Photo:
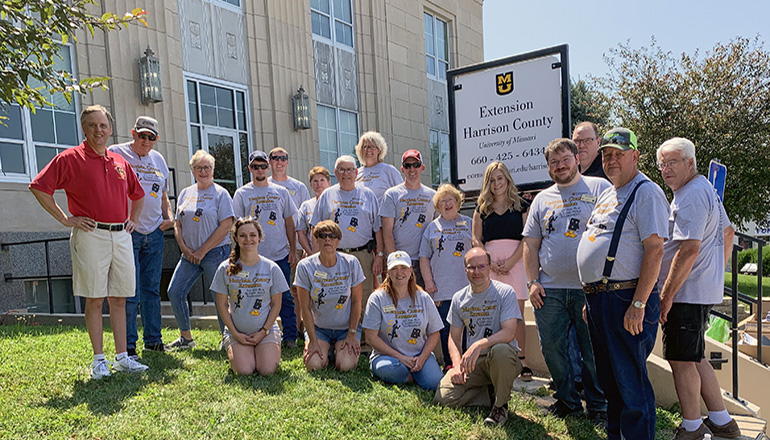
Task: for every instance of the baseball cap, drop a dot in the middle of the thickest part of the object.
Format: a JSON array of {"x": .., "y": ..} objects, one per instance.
[
  {"x": 411, "y": 153},
  {"x": 146, "y": 123},
  {"x": 257, "y": 155},
  {"x": 620, "y": 138},
  {"x": 399, "y": 258}
]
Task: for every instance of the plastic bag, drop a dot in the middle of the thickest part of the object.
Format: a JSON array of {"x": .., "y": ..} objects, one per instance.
[{"x": 719, "y": 329}]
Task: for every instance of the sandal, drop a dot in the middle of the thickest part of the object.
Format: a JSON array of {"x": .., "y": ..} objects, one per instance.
[{"x": 526, "y": 372}]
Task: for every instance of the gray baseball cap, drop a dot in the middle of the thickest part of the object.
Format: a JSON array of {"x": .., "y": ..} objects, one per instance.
[
  {"x": 146, "y": 123},
  {"x": 257, "y": 155}
]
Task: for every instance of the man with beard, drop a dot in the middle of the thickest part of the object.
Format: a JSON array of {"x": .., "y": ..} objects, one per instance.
[{"x": 557, "y": 217}]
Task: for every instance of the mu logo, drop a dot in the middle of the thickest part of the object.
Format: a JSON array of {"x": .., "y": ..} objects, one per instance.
[{"x": 504, "y": 83}]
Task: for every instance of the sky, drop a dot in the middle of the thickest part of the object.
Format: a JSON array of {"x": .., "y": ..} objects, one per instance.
[{"x": 592, "y": 27}]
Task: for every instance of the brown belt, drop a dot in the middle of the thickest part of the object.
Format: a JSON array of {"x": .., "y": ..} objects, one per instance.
[{"x": 608, "y": 287}]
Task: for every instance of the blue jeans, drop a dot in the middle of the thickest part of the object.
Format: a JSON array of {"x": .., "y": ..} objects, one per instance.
[
  {"x": 574, "y": 354},
  {"x": 443, "y": 334},
  {"x": 288, "y": 317},
  {"x": 621, "y": 362},
  {"x": 391, "y": 370},
  {"x": 562, "y": 310},
  {"x": 185, "y": 275},
  {"x": 148, "y": 260}
]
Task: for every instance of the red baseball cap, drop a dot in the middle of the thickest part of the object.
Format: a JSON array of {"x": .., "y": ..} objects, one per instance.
[{"x": 411, "y": 153}]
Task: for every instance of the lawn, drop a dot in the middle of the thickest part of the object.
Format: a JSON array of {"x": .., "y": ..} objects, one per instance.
[
  {"x": 46, "y": 392},
  {"x": 748, "y": 284}
]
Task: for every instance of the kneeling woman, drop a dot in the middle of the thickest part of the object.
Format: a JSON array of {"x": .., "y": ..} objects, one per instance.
[
  {"x": 329, "y": 287},
  {"x": 249, "y": 290},
  {"x": 402, "y": 323}
]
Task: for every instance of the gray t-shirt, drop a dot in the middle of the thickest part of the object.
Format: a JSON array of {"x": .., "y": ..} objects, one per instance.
[
  {"x": 698, "y": 214},
  {"x": 482, "y": 314},
  {"x": 379, "y": 178},
  {"x": 200, "y": 213},
  {"x": 297, "y": 190},
  {"x": 249, "y": 292},
  {"x": 152, "y": 172},
  {"x": 303, "y": 218},
  {"x": 558, "y": 216},
  {"x": 357, "y": 212},
  {"x": 271, "y": 205},
  {"x": 412, "y": 211},
  {"x": 406, "y": 327},
  {"x": 445, "y": 243},
  {"x": 329, "y": 288},
  {"x": 648, "y": 215}
]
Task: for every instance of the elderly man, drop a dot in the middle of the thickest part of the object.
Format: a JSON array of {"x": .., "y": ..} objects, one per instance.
[
  {"x": 692, "y": 276},
  {"x": 273, "y": 207},
  {"x": 151, "y": 170},
  {"x": 488, "y": 312},
  {"x": 356, "y": 210},
  {"x": 556, "y": 219},
  {"x": 586, "y": 137},
  {"x": 618, "y": 261},
  {"x": 98, "y": 184},
  {"x": 407, "y": 209}
]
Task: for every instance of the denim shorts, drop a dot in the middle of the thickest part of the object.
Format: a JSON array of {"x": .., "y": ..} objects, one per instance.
[
  {"x": 331, "y": 336},
  {"x": 684, "y": 336}
]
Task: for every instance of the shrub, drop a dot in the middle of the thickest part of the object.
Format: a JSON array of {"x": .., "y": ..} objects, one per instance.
[{"x": 751, "y": 256}]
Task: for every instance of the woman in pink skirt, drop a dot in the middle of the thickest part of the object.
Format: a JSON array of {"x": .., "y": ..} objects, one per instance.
[{"x": 497, "y": 226}]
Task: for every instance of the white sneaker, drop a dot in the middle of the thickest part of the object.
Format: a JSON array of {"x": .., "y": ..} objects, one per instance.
[
  {"x": 100, "y": 369},
  {"x": 129, "y": 365}
]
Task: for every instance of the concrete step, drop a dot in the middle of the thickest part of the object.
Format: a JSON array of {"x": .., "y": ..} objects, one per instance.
[
  {"x": 198, "y": 309},
  {"x": 751, "y": 428}
]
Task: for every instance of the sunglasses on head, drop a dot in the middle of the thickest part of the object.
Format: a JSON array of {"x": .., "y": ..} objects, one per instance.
[
  {"x": 411, "y": 165},
  {"x": 618, "y": 139},
  {"x": 144, "y": 136},
  {"x": 325, "y": 235},
  {"x": 280, "y": 158},
  {"x": 259, "y": 166}
]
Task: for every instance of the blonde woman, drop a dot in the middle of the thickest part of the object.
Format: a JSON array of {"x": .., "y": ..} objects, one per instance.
[
  {"x": 375, "y": 174},
  {"x": 498, "y": 223}
]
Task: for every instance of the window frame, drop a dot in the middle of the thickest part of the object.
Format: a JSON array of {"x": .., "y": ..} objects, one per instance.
[
  {"x": 436, "y": 165},
  {"x": 332, "y": 40},
  {"x": 338, "y": 134},
  {"x": 437, "y": 61}
]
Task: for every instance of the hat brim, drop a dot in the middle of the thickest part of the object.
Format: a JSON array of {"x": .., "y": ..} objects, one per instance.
[
  {"x": 398, "y": 263},
  {"x": 149, "y": 130}
]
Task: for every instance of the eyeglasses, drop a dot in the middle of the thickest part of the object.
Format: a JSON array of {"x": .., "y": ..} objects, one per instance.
[
  {"x": 565, "y": 161},
  {"x": 259, "y": 166},
  {"x": 669, "y": 164},
  {"x": 144, "y": 136},
  {"x": 369, "y": 147},
  {"x": 203, "y": 168},
  {"x": 583, "y": 141},
  {"x": 325, "y": 235},
  {"x": 411, "y": 165},
  {"x": 447, "y": 201},
  {"x": 280, "y": 158},
  {"x": 346, "y": 170},
  {"x": 477, "y": 267}
]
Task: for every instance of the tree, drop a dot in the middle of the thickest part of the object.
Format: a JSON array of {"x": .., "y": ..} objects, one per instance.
[
  {"x": 32, "y": 33},
  {"x": 720, "y": 101},
  {"x": 588, "y": 103}
]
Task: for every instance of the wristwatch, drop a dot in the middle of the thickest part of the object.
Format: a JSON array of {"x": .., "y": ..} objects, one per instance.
[
  {"x": 530, "y": 283},
  {"x": 263, "y": 329},
  {"x": 380, "y": 254},
  {"x": 639, "y": 305}
]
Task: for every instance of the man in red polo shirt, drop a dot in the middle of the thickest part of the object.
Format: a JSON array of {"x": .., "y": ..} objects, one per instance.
[{"x": 98, "y": 185}]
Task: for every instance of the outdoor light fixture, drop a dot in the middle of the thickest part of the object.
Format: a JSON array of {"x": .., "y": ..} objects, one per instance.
[
  {"x": 300, "y": 104},
  {"x": 149, "y": 78}
]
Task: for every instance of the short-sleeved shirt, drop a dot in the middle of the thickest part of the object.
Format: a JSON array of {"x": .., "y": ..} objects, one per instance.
[
  {"x": 329, "y": 288},
  {"x": 297, "y": 190},
  {"x": 97, "y": 187},
  {"x": 558, "y": 217},
  {"x": 698, "y": 214},
  {"x": 356, "y": 211},
  {"x": 303, "y": 217},
  {"x": 482, "y": 314},
  {"x": 152, "y": 172},
  {"x": 404, "y": 327},
  {"x": 648, "y": 215},
  {"x": 445, "y": 243},
  {"x": 379, "y": 178},
  {"x": 249, "y": 292},
  {"x": 200, "y": 212},
  {"x": 412, "y": 211},
  {"x": 271, "y": 205},
  {"x": 507, "y": 226},
  {"x": 595, "y": 169}
]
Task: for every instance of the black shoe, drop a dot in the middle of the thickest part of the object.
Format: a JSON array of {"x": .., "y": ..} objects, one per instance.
[
  {"x": 598, "y": 418},
  {"x": 498, "y": 416},
  {"x": 132, "y": 353},
  {"x": 290, "y": 343},
  {"x": 155, "y": 347},
  {"x": 561, "y": 410}
]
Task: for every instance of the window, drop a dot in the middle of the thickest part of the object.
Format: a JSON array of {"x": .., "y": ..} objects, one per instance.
[
  {"x": 439, "y": 158},
  {"x": 436, "y": 47},
  {"x": 28, "y": 141},
  {"x": 337, "y": 134},
  {"x": 36, "y": 296},
  {"x": 333, "y": 19},
  {"x": 217, "y": 120}
]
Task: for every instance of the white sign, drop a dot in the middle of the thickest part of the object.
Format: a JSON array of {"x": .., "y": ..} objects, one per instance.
[{"x": 507, "y": 113}]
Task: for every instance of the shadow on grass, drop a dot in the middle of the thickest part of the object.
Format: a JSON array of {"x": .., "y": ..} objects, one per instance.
[
  {"x": 581, "y": 428},
  {"x": 516, "y": 427},
  {"x": 106, "y": 396},
  {"x": 208, "y": 354}
]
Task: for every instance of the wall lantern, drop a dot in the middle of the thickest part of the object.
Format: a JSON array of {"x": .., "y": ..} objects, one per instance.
[
  {"x": 300, "y": 104},
  {"x": 149, "y": 78}
]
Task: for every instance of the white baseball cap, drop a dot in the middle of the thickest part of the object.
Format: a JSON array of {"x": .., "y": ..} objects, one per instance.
[{"x": 399, "y": 258}]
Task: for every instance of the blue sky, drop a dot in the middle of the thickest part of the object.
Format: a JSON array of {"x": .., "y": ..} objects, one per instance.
[{"x": 592, "y": 27}]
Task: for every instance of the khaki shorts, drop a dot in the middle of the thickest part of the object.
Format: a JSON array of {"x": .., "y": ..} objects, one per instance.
[
  {"x": 274, "y": 337},
  {"x": 102, "y": 263}
]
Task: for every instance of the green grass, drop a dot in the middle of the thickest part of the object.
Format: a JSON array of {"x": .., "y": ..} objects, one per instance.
[
  {"x": 46, "y": 392},
  {"x": 747, "y": 284}
]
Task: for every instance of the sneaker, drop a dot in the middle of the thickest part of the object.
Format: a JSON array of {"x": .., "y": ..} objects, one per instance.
[
  {"x": 100, "y": 369},
  {"x": 598, "y": 418},
  {"x": 561, "y": 410},
  {"x": 290, "y": 343},
  {"x": 181, "y": 344},
  {"x": 683, "y": 434},
  {"x": 729, "y": 430},
  {"x": 155, "y": 347},
  {"x": 129, "y": 365},
  {"x": 132, "y": 354},
  {"x": 498, "y": 416}
]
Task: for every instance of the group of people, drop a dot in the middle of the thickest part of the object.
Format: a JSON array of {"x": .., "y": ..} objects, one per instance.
[{"x": 601, "y": 255}]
